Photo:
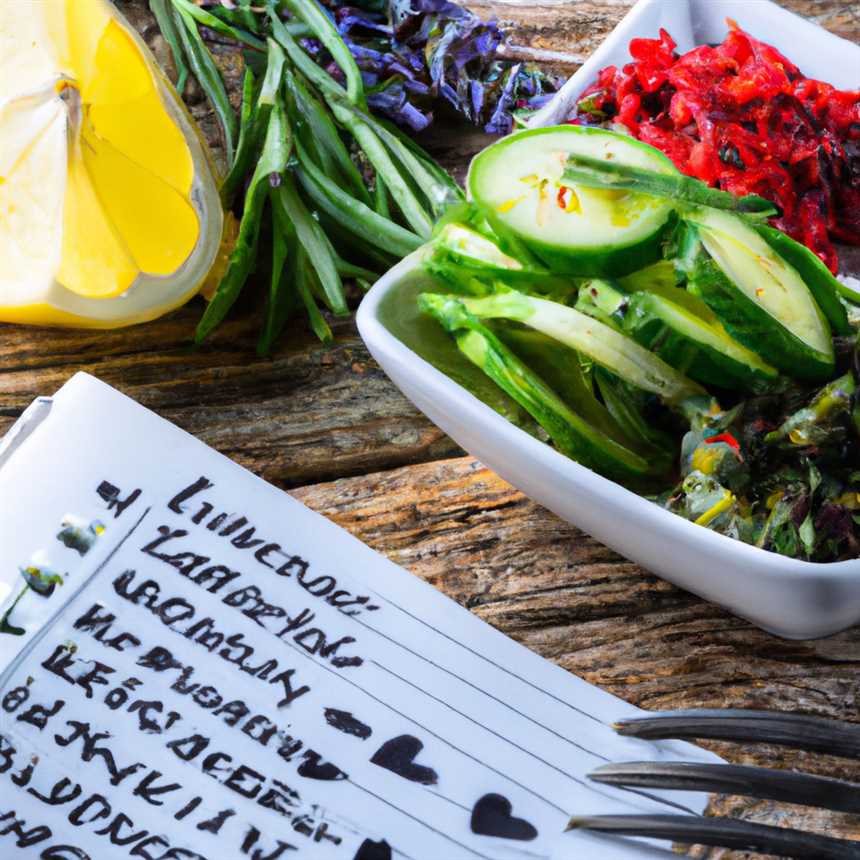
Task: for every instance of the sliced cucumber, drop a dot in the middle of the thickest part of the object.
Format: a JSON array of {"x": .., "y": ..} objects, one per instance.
[
  {"x": 561, "y": 368},
  {"x": 457, "y": 253},
  {"x": 825, "y": 288},
  {"x": 573, "y": 435},
  {"x": 573, "y": 229},
  {"x": 760, "y": 299},
  {"x": 601, "y": 343},
  {"x": 683, "y": 331},
  {"x": 468, "y": 248},
  {"x": 704, "y": 351}
]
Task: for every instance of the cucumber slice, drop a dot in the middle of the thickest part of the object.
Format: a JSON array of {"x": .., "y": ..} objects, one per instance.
[
  {"x": 704, "y": 351},
  {"x": 825, "y": 288},
  {"x": 561, "y": 368},
  {"x": 601, "y": 343},
  {"x": 573, "y": 229},
  {"x": 458, "y": 253},
  {"x": 573, "y": 435},
  {"x": 683, "y": 331},
  {"x": 760, "y": 299}
]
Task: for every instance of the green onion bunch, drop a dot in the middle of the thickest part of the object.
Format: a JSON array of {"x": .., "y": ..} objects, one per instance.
[{"x": 336, "y": 192}]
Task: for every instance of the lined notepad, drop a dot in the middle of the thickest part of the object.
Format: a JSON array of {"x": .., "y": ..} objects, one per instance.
[{"x": 194, "y": 665}]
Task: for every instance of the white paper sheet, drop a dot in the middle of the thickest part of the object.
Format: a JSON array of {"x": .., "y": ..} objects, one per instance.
[{"x": 221, "y": 673}]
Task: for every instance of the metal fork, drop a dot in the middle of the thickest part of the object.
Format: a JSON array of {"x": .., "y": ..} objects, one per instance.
[{"x": 804, "y": 732}]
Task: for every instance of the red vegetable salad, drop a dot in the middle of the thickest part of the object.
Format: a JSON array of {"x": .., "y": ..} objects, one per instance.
[{"x": 741, "y": 116}]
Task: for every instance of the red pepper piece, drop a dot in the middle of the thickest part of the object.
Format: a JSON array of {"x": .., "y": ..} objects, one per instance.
[{"x": 727, "y": 438}]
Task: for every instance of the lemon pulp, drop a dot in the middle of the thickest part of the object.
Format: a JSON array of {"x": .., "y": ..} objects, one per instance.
[{"x": 105, "y": 191}]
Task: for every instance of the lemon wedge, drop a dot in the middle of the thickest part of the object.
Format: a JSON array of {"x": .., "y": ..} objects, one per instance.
[{"x": 109, "y": 210}]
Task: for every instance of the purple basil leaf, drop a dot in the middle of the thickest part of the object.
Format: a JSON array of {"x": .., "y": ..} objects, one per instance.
[{"x": 412, "y": 52}]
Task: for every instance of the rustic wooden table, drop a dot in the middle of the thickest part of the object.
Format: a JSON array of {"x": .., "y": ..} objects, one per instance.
[{"x": 327, "y": 425}]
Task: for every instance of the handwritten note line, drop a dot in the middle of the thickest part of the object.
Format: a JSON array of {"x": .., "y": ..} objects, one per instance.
[
  {"x": 449, "y": 799},
  {"x": 483, "y": 691},
  {"x": 486, "y": 659},
  {"x": 583, "y": 782},
  {"x": 422, "y": 822},
  {"x": 472, "y": 720},
  {"x": 647, "y": 794},
  {"x": 429, "y": 731}
]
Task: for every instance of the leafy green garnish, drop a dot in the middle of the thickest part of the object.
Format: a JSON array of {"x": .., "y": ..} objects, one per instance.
[
  {"x": 207, "y": 74},
  {"x": 335, "y": 192},
  {"x": 601, "y": 173}
]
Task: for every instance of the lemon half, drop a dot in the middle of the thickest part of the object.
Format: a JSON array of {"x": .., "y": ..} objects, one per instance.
[{"x": 109, "y": 210}]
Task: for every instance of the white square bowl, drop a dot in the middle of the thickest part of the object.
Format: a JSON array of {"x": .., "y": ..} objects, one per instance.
[{"x": 789, "y": 597}]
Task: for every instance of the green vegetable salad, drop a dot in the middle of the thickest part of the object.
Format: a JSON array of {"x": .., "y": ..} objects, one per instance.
[{"x": 659, "y": 332}]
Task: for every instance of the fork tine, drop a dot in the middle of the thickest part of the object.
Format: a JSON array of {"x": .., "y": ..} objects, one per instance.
[
  {"x": 816, "y": 734},
  {"x": 723, "y": 833},
  {"x": 783, "y": 785}
]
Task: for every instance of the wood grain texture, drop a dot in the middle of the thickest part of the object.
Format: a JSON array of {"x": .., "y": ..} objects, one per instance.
[
  {"x": 564, "y": 595},
  {"x": 579, "y": 26},
  {"x": 308, "y": 413},
  {"x": 574, "y": 28},
  {"x": 841, "y": 18}
]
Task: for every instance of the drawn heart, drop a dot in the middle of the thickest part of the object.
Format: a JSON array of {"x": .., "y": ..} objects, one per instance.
[
  {"x": 491, "y": 816},
  {"x": 373, "y": 850},
  {"x": 398, "y": 756}
]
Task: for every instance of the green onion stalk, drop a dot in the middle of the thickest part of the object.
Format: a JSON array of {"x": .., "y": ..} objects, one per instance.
[{"x": 326, "y": 192}]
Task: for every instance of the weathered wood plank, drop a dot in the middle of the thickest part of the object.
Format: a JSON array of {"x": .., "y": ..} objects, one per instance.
[
  {"x": 308, "y": 413},
  {"x": 562, "y": 594},
  {"x": 575, "y": 28},
  {"x": 841, "y": 17},
  {"x": 579, "y": 26}
]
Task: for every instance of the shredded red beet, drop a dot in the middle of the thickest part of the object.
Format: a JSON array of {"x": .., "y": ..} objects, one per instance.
[{"x": 741, "y": 116}]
